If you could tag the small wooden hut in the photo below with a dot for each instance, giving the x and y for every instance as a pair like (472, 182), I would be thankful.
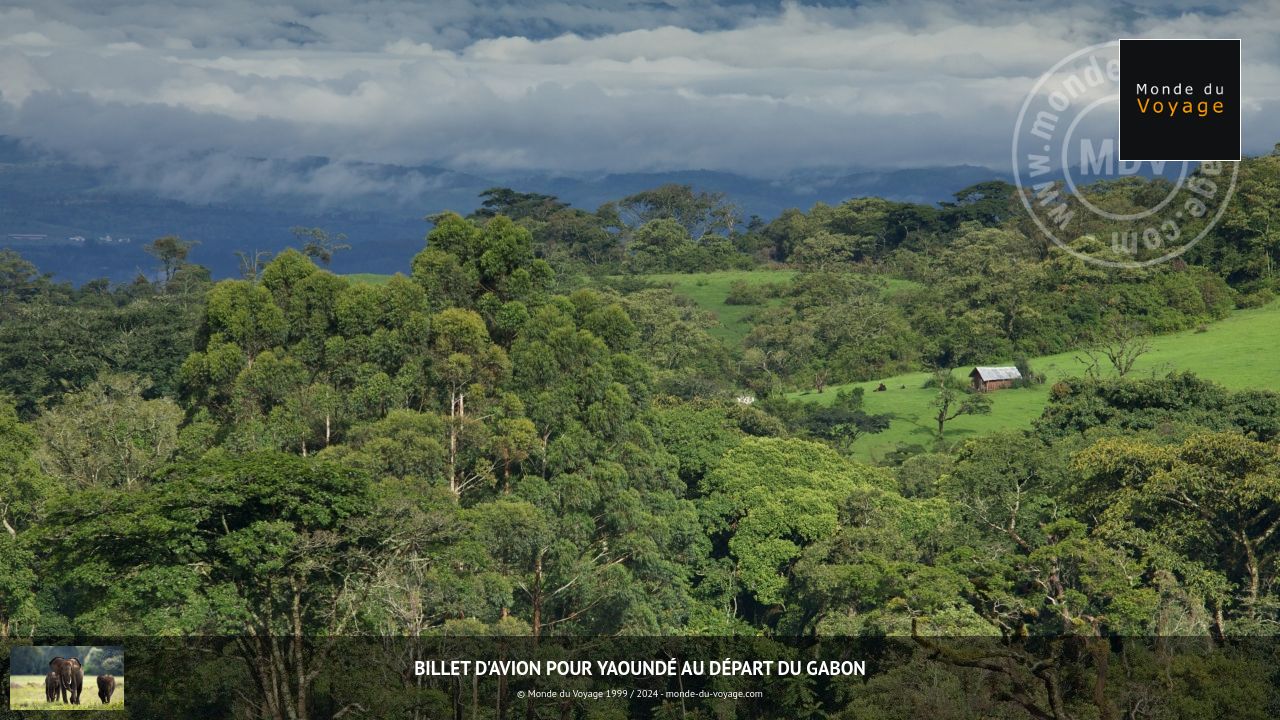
(986, 379)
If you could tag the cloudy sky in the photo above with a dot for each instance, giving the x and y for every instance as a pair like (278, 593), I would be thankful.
(760, 88)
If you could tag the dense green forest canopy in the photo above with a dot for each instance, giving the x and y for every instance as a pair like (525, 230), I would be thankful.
(522, 435)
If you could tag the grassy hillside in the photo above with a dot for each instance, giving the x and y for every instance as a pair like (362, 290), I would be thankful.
(1238, 352)
(709, 290)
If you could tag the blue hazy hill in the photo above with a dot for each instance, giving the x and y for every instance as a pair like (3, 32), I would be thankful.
(250, 204)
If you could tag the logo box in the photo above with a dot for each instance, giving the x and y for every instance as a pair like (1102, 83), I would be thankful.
(1179, 100)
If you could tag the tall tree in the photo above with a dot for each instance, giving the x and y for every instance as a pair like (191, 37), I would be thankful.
(109, 435)
(23, 492)
(318, 244)
(467, 365)
(22, 485)
(19, 279)
(1212, 501)
(171, 251)
(246, 314)
(769, 498)
(698, 212)
(269, 548)
(517, 205)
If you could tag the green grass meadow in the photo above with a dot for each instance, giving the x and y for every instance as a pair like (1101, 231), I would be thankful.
(26, 692)
(1242, 351)
(709, 290)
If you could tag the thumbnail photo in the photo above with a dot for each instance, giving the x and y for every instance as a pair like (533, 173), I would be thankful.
(75, 677)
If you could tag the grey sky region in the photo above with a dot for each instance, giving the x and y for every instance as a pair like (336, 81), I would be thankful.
(762, 89)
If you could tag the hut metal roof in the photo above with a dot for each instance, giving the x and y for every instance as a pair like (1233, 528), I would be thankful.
(996, 373)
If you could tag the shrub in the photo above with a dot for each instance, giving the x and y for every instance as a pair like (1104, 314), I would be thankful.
(743, 293)
(1255, 299)
(1030, 378)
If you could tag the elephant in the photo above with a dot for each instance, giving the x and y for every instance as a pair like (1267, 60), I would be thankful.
(70, 678)
(106, 686)
(51, 686)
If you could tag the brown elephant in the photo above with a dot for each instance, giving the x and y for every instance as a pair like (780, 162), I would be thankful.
(106, 686)
(51, 685)
(70, 678)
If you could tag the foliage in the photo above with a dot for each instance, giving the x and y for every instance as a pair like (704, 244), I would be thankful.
(109, 435)
(498, 444)
(696, 212)
(171, 251)
(1204, 511)
(770, 498)
(1224, 352)
(58, 340)
(318, 244)
(1159, 403)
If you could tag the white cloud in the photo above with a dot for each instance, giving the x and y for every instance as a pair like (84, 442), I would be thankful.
(754, 88)
(18, 77)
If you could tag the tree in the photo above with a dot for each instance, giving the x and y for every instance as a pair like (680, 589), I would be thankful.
(22, 486)
(466, 363)
(434, 566)
(465, 265)
(824, 251)
(19, 279)
(269, 548)
(1212, 500)
(107, 435)
(50, 345)
(655, 244)
(406, 444)
(517, 205)
(1177, 400)
(251, 263)
(987, 202)
(580, 235)
(244, 313)
(1246, 243)
(23, 492)
(318, 244)
(606, 543)
(984, 295)
(952, 402)
(879, 570)
(698, 212)
(1037, 575)
(171, 251)
(17, 588)
(778, 347)
(1122, 342)
(673, 335)
(769, 498)
(844, 421)
(785, 233)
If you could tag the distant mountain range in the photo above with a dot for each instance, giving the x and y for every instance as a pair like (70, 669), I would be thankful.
(82, 221)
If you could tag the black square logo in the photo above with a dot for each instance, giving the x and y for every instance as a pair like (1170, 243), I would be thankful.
(1179, 99)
